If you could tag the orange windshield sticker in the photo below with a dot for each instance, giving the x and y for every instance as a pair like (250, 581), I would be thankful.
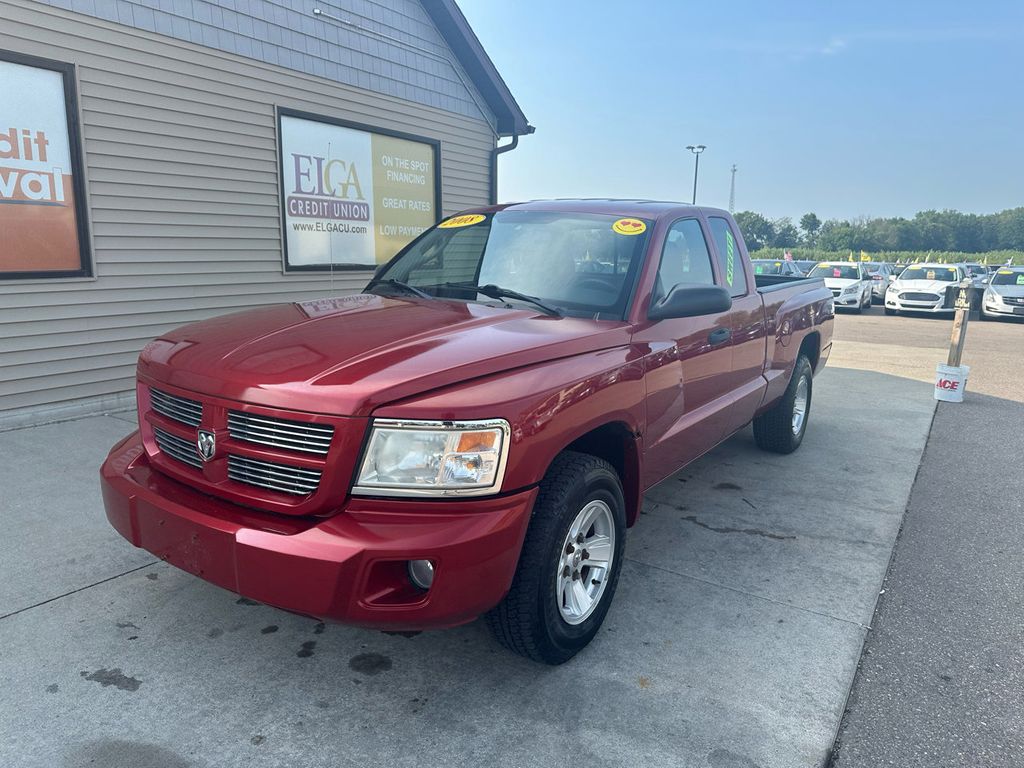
(465, 220)
(629, 227)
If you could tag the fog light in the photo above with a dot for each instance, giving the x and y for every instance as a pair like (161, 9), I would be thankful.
(421, 573)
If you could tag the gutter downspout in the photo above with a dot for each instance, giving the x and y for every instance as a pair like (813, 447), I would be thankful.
(494, 162)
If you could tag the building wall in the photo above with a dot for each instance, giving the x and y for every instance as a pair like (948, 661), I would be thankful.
(182, 183)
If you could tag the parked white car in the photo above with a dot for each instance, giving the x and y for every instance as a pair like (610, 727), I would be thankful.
(922, 288)
(849, 282)
(1004, 294)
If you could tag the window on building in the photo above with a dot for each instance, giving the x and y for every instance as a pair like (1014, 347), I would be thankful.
(42, 199)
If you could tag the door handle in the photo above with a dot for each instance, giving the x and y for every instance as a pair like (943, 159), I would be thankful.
(719, 336)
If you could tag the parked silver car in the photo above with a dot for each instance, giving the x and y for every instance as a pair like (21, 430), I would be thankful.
(880, 273)
(1004, 295)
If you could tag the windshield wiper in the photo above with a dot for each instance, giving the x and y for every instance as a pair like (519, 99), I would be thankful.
(403, 286)
(497, 292)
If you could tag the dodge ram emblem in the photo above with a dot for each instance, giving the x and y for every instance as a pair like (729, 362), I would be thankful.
(206, 444)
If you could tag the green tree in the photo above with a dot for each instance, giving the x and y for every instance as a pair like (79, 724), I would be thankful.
(757, 231)
(810, 224)
(786, 235)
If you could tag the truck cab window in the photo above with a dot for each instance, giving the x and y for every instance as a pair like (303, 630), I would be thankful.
(730, 260)
(684, 259)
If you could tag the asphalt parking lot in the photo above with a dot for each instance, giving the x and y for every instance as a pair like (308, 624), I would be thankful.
(940, 680)
(733, 641)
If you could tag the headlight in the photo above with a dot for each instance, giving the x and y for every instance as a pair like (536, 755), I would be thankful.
(851, 288)
(433, 458)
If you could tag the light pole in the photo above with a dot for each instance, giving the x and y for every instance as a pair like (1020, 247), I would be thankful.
(696, 149)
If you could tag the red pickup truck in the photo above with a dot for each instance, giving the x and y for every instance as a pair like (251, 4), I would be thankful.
(474, 432)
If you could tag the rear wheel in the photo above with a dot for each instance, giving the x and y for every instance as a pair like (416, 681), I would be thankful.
(782, 429)
(570, 563)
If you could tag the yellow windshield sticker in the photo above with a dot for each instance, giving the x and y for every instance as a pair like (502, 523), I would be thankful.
(1005, 271)
(465, 220)
(629, 227)
(930, 274)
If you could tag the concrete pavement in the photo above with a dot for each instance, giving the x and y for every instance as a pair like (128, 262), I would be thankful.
(732, 642)
(942, 675)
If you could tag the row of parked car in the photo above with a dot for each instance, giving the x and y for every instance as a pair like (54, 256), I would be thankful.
(857, 285)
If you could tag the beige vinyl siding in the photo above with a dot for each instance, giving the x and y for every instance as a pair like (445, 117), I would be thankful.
(180, 147)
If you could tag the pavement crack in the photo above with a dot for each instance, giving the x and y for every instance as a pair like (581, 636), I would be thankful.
(748, 531)
(76, 591)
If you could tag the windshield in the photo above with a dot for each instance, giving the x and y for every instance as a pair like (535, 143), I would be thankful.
(1008, 277)
(583, 264)
(768, 267)
(844, 271)
(933, 272)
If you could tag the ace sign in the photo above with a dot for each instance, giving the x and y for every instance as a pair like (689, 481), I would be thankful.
(352, 196)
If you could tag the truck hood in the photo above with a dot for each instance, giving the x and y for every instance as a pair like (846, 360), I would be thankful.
(349, 355)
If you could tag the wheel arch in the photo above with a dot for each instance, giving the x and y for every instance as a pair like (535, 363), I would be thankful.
(810, 348)
(618, 444)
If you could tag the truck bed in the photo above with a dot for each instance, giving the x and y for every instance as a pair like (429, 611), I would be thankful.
(767, 283)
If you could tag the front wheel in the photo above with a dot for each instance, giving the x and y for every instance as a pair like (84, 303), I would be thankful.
(781, 429)
(890, 311)
(570, 563)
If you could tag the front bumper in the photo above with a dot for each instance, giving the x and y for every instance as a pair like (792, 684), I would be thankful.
(349, 568)
(992, 308)
(847, 300)
(932, 307)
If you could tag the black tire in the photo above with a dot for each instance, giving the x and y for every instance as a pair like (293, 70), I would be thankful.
(773, 430)
(890, 311)
(528, 620)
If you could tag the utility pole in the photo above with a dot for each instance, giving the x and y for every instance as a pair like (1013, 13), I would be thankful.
(696, 149)
(732, 191)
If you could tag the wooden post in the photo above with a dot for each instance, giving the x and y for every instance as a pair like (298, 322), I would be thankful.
(963, 314)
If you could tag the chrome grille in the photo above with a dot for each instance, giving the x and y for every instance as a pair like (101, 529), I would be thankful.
(1013, 299)
(280, 433)
(276, 477)
(177, 447)
(911, 296)
(178, 408)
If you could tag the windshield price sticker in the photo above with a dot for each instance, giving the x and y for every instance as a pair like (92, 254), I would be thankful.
(629, 227)
(1020, 278)
(466, 220)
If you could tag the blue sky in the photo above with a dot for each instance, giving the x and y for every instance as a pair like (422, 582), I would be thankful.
(844, 109)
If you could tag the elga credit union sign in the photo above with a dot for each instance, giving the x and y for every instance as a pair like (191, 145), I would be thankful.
(352, 196)
(42, 218)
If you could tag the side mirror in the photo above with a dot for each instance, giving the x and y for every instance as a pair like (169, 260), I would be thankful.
(691, 300)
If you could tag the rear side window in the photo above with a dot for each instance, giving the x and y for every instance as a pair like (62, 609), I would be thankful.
(729, 258)
(684, 258)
